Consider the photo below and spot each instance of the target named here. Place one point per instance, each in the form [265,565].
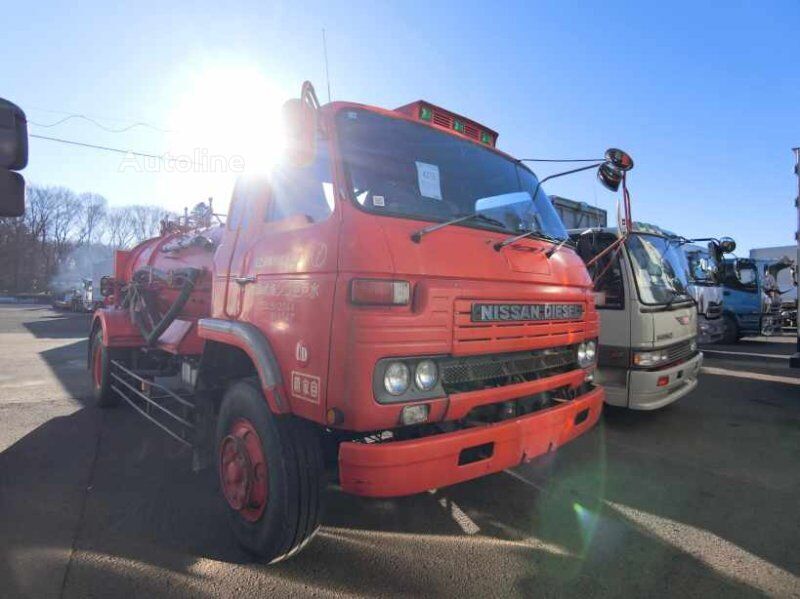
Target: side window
[248,194]
[607,273]
[739,276]
[303,191]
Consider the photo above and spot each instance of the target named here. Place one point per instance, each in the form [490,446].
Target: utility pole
[794,361]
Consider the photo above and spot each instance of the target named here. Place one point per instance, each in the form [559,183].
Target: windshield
[659,269]
[702,267]
[401,168]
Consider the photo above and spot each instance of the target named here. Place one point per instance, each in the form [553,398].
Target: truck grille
[497,370]
[680,351]
[471,337]
[714,310]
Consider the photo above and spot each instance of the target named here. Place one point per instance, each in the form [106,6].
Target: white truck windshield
[659,269]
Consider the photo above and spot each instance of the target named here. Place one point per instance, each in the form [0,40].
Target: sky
[704,95]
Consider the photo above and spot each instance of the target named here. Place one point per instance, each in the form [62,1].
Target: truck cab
[648,356]
[750,307]
[703,269]
[703,286]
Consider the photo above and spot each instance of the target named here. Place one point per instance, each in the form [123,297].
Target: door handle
[245,280]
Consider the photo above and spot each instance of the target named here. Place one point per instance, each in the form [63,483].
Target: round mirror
[609,176]
[622,160]
[727,244]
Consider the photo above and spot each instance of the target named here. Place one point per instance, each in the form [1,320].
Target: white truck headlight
[396,378]
[648,359]
[426,375]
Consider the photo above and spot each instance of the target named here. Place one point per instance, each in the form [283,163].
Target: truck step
[171,411]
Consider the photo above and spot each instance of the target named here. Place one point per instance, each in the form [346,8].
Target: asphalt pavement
[698,499]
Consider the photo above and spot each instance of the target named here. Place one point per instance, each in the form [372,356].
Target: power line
[100,125]
[94,119]
[115,150]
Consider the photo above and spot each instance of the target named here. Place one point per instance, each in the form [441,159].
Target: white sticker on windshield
[378,201]
[428,178]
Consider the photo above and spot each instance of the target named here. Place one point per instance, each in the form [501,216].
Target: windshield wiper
[417,236]
[533,233]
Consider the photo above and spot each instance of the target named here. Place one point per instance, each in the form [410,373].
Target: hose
[188,286]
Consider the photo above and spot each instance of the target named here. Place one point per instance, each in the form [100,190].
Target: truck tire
[100,370]
[270,474]
[731,334]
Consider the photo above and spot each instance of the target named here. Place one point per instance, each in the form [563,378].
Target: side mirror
[727,245]
[12,193]
[300,127]
[13,157]
[610,176]
[620,159]
[106,286]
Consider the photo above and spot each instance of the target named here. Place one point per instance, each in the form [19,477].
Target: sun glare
[224,121]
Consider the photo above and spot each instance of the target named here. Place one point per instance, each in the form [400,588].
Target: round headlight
[397,378]
[591,350]
[426,375]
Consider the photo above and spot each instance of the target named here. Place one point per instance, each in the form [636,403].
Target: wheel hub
[243,471]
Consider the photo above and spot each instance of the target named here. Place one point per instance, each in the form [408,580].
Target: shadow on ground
[697,499]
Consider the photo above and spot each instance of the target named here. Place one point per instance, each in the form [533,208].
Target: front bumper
[643,393]
[709,331]
[406,467]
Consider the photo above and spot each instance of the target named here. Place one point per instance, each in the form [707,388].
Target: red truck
[358,310]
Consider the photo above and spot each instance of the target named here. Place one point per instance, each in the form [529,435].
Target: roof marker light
[425,113]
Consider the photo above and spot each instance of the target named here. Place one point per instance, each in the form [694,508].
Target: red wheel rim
[243,470]
[97,365]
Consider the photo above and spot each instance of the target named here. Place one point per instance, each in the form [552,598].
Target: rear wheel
[100,370]
[270,473]
[731,334]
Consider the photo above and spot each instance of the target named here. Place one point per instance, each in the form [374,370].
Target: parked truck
[358,309]
[648,355]
[752,303]
[703,273]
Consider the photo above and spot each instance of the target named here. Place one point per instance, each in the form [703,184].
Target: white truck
[648,355]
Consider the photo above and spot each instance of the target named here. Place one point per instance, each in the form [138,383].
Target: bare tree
[65,216]
[147,221]
[93,212]
[120,227]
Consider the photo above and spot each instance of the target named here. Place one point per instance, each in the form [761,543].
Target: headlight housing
[426,375]
[587,353]
[397,378]
[648,359]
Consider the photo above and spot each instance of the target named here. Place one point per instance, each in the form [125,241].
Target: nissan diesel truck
[648,355]
[357,310]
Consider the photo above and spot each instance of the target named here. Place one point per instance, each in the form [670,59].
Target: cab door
[249,202]
[284,275]
[741,293]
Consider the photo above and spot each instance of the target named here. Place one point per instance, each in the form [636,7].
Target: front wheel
[270,473]
[731,334]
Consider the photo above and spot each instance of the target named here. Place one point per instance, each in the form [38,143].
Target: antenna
[327,73]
